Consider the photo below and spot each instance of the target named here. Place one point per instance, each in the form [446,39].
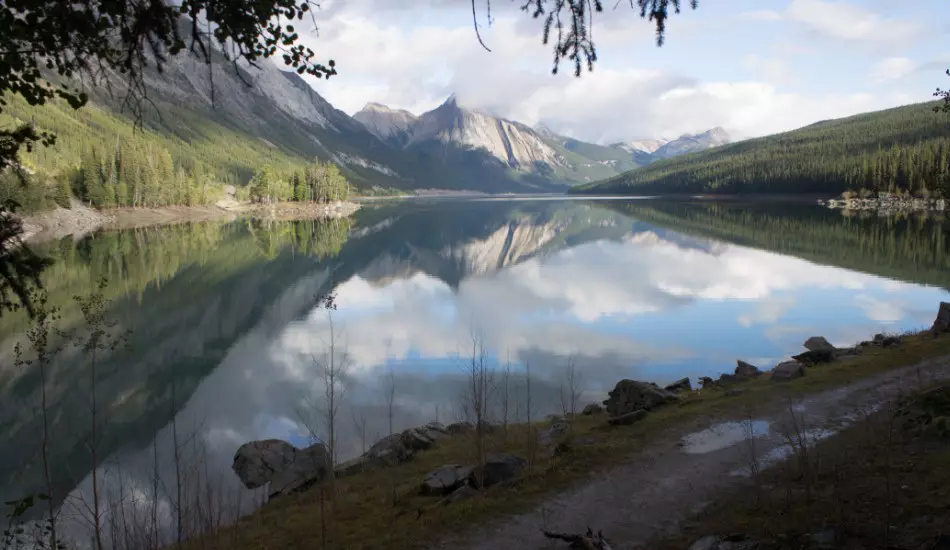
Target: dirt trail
[659,487]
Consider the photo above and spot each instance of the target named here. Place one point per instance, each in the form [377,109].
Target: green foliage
[73,39]
[906,149]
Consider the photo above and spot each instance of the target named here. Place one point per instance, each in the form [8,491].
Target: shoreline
[81,220]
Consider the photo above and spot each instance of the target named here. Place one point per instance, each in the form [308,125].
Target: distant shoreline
[81,220]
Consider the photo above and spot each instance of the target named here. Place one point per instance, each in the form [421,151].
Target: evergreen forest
[905,150]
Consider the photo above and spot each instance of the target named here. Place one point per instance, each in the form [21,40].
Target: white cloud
[847,21]
[413,59]
[892,68]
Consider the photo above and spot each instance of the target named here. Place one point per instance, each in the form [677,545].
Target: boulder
[682,384]
[788,371]
[890,341]
[547,436]
[745,371]
[815,357]
[726,379]
[592,409]
[627,419]
[502,467]
[256,462]
[818,343]
[707,382]
[389,450]
[310,466]
[630,395]
[942,322]
[437,427]
[446,479]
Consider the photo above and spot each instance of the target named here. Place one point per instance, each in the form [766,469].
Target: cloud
[846,21]
[414,61]
[892,68]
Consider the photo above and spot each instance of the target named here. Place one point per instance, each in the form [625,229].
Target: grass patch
[365,516]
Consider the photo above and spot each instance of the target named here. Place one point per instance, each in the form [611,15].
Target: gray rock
[256,462]
[627,419]
[630,395]
[891,341]
[682,384]
[309,466]
[592,409]
[815,357]
[788,370]
[464,492]
[707,382]
[818,343]
[389,450]
[942,322]
[446,479]
[437,427]
[746,371]
[502,467]
[549,435]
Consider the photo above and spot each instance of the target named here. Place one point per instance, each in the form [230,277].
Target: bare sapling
[390,416]
[528,411]
[38,335]
[359,425]
[480,387]
[748,428]
[796,437]
[570,391]
[505,397]
[98,341]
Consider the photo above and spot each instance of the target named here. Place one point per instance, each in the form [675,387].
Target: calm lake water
[226,338]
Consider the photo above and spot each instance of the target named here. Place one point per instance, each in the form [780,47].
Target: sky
[753,67]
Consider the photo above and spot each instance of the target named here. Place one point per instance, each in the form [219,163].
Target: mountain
[646,151]
[385,123]
[690,143]
[536,158]
[642,145]
[904,149]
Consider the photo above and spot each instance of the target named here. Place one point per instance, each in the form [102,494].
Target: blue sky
[753,67]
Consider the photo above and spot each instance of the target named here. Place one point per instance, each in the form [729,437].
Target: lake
[226,340]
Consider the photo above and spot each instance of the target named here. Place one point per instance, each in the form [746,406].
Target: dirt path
[658,488]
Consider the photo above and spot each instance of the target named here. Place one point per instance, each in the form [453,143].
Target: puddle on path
[723,435]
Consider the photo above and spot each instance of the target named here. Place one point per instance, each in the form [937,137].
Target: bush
[849,194]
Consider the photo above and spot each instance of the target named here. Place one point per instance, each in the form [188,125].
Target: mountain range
[537,154]
[236,118]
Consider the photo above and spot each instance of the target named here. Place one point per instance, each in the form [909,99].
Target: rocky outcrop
[788,370]
[286,468]
[942,322]
[256,462]
[746,371]
[630,395]
[818,343]
[680,385]
[887,204]
[447,479]
[501,468]
[308,468]
[816,357]
[592,409]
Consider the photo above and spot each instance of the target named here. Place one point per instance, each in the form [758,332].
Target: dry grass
[364,517]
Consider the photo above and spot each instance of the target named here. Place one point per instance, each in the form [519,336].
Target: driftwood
[588,541]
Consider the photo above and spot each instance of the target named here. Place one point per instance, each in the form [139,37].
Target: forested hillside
[903,150]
